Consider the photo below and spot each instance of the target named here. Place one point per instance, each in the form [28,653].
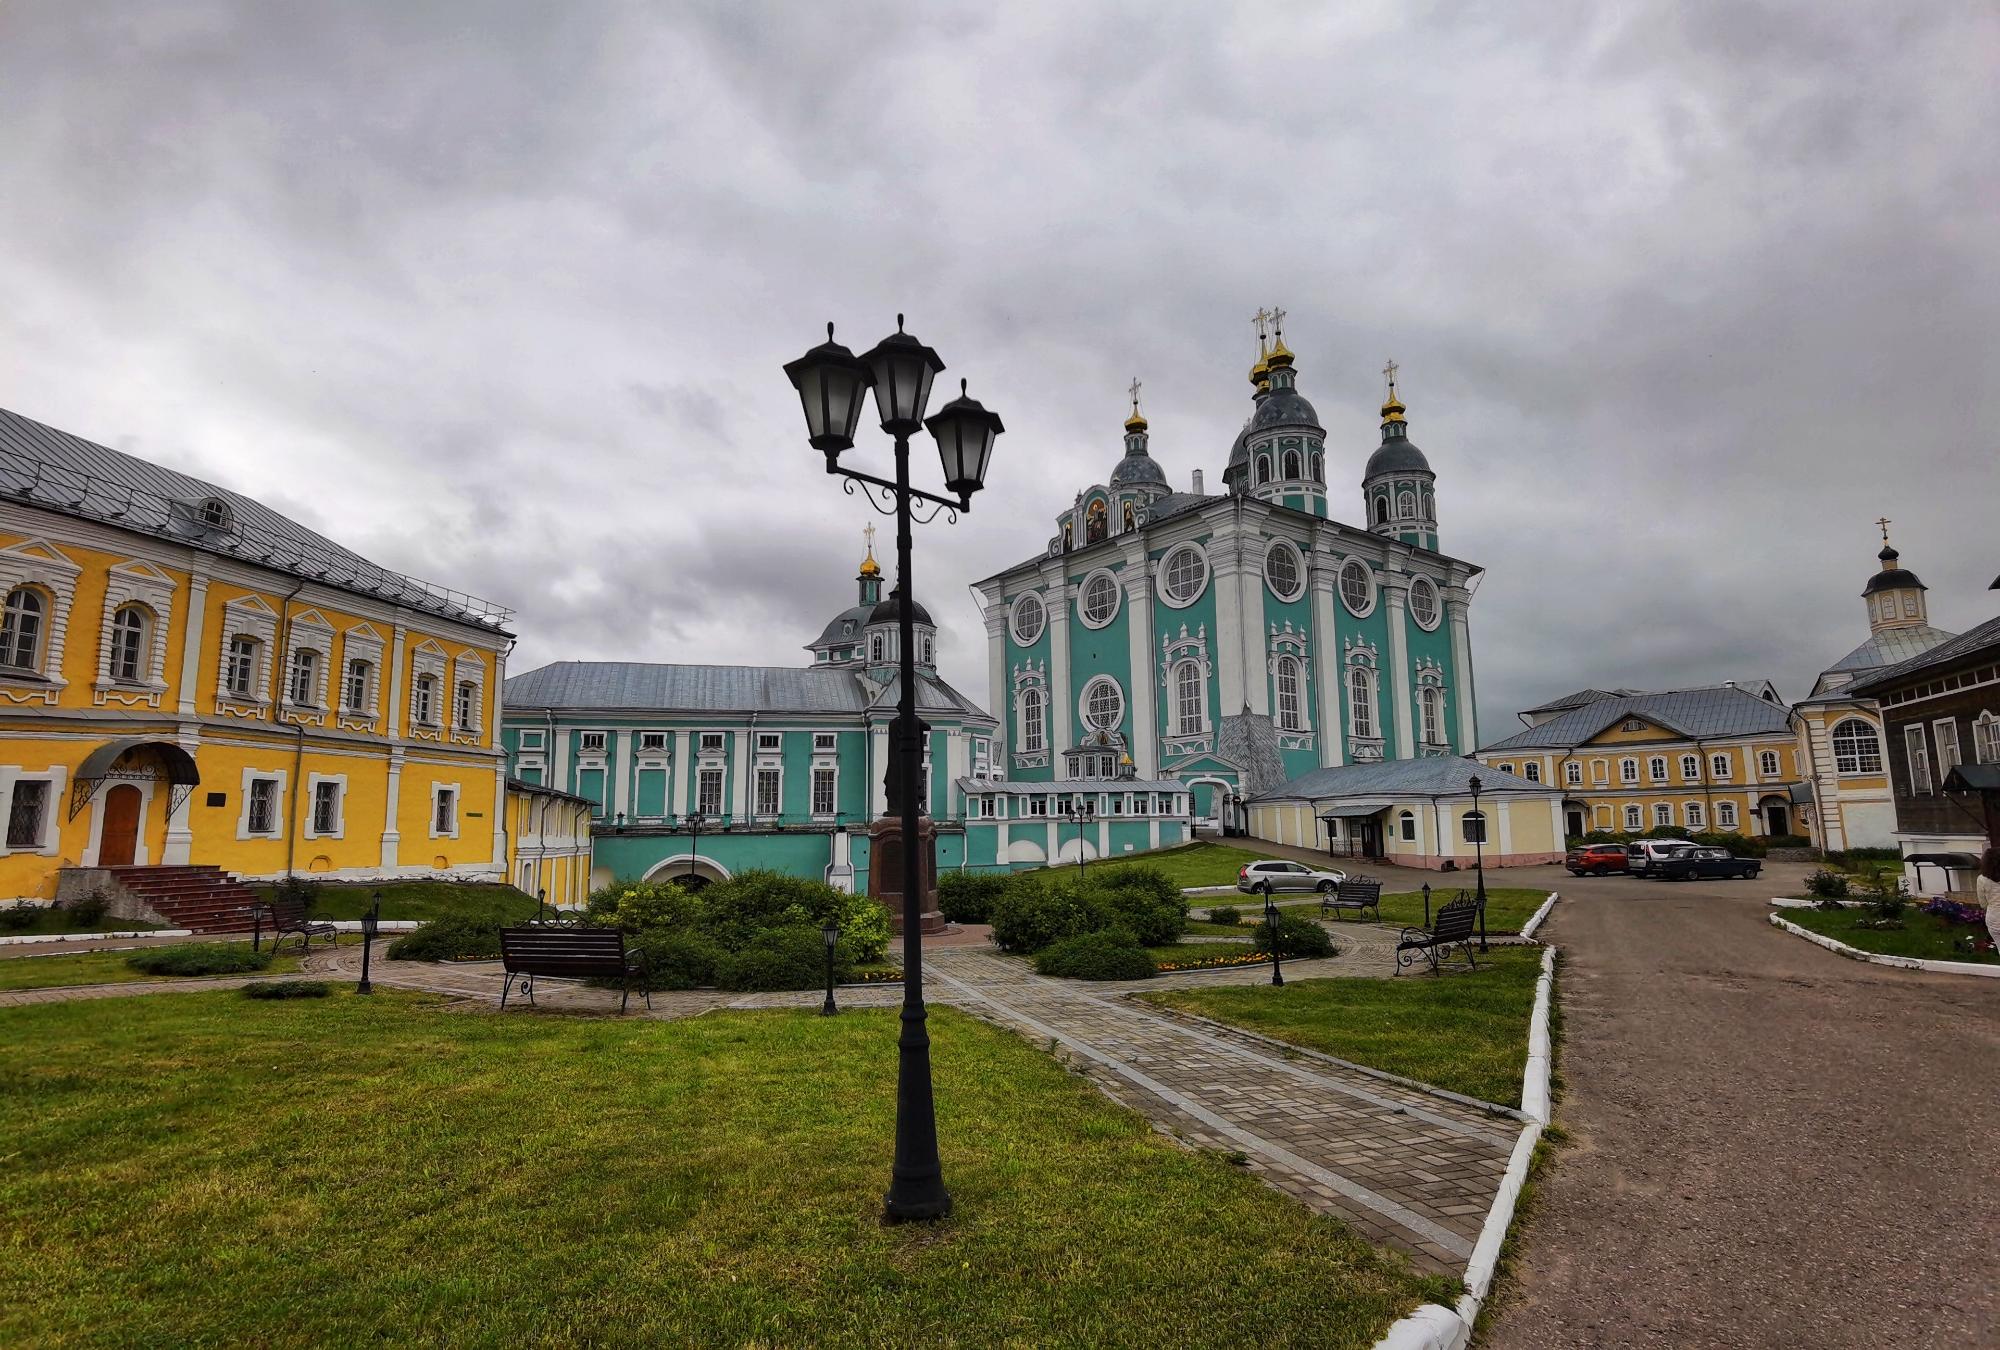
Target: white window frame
[1917,752]
[1635,817]
[1532,771]
[277,778]
[465,709]
[469,668]
[1572,773]
[1719,768]
[1466,823]
[1374,597]
[50,842]
[826,742]
[774,773]
[1694,815]
[1725,815]
[439,791]
[770,742]
[830,775]
[533,738]
[1103,576]
[1430,715]
[711,742]
[1166,568]
[1289,703]
[1950,754]
[1425,586]
[1367,696]
[1033,727]
[1090,687]
[1663,814]
[1628,771]
[39,564]
[314,782]
[1986,738]
[364,706]
[1182,725]
[592,742]
[655,742]
[1600,772]
[424,700]
[1028,602]
[1867,744]
[1656,768]
[702,777]
[1690,768]
[141,584]
[1299,577]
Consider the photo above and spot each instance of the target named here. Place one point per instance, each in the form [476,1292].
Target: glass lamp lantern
[965,432]
[832,382]
[902,369]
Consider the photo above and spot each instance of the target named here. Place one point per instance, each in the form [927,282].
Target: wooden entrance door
[119,840]
[1777,819]
[1371,838]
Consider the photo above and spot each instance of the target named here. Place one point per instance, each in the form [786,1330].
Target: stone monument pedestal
[885,871]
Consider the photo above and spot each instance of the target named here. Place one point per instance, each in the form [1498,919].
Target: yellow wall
[1744,783]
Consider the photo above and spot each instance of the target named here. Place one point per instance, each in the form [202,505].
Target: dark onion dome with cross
[1398,488]
[842,640]
[1894,594]
[1278,453]
[1893,576]
[1138,467]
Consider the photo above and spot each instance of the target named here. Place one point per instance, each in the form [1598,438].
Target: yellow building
[549,834]
[1720,758]
[188,677]
[1840,735]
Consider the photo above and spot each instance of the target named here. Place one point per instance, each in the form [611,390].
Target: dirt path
[1772,1146]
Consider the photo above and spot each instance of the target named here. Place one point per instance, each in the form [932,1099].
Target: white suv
[1261,877]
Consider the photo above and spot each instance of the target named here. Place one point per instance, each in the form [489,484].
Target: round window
[1099,601]
[1103,704]
[1184,574]
[1424,603]
[1284,571]
[1357,586]
[1029,619]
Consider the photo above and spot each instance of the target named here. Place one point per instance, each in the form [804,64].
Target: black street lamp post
[832,382]
[1082,812]
[1479,859]
[371,921]
[830,933]
[1271,927]
[694,824]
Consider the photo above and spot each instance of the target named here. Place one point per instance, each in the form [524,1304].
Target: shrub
[1854,857]
[969,897]
[1739,844]
[1607,837]
[1143,899]
[780,958]
[455,937]
[1031,914]
[638,906]
[1225,914]
[198,958]
[1886,896]
[677,960]
[287,989]
[90,910]
[1827,884]
[1787,841]
[1297,936]
[297,890]
[1106,954]
[1665,832]
[19,918]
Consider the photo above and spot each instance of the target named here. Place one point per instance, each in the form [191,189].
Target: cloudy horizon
[1684,297]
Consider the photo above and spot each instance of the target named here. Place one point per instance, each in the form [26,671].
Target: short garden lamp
[1479,857]
[371,923]
[1271,927]
[829,933]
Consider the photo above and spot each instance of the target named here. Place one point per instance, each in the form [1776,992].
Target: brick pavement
[1405,1167]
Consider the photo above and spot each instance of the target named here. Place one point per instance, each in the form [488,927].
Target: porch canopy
[1352,810]
[134,758]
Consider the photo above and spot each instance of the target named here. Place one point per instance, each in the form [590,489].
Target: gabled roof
[641,686]
[60,472]
[1703,714]
[1891,646]
[1431,776]
[1578,699]
[1969,643]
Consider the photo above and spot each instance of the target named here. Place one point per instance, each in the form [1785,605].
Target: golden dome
[869,567]
[1260,373]
[1136,422]
[1280,356]
[1392,408]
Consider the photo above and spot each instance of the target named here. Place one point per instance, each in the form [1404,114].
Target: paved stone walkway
[1405,1167]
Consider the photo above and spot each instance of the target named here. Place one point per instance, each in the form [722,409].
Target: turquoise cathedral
[1232,643]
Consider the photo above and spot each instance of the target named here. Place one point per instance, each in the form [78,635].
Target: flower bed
[1215,962]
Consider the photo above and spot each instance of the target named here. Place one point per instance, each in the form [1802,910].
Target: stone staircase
[203,898]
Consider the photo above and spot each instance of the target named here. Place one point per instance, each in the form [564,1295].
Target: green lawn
[202,1168]
[421,900]
[1202,864]
[49,919]
[1922,935]
[1194,951]
[1464,1031]
[1507,907]
[49,972]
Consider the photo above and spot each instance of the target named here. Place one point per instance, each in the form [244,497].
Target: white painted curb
[1881,959]
[385,926]
[13,939]
[1434,1326]
[1528,928]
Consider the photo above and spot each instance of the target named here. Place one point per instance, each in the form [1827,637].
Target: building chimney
[1729,684]
[1197,482]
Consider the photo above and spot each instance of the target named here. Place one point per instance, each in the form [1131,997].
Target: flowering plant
[1216,962]
[1955,911]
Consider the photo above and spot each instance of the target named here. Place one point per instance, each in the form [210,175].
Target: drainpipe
[500,802]
[1437,831]
[299,749]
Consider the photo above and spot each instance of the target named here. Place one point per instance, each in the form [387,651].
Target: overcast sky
[1684,295]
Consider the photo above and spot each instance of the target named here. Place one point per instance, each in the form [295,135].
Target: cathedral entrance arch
[1210,797]
[689,871]
[1777,815]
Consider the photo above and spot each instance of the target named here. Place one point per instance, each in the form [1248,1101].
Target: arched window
[1408,822]
[1767,763]
[1289,718]
[1188,700]
[1031,721]
[1855,747]
[1096,523]
[878,647]
[1473,826]
[1319,467]
[21,631]
[1663,813]
[1986,738]
[1103,704]
[1573,773]
[1382,510]
[925,652]
[1066,536]
[303,682]
[1361,702]
[1293,467]
[423,701]
[1430,700]
[1690,767]
[1131,520]
[1532,771]
[354,688]
[1430,506]
[466,714]
[1406,505]
[128,644]
[1635,819]
[243,653]
[1628,770]
[1263,468]
[1657,767]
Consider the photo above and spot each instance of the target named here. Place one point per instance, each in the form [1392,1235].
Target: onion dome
[1893,576]
[1397,453]
[869,567]
[1138,468]
[1280,357]
[886,611]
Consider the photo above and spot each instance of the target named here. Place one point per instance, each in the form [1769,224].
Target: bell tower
[1894,596]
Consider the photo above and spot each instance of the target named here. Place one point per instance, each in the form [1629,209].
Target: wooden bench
[1452,927]
[287,917]
[1359,895]
[571,953]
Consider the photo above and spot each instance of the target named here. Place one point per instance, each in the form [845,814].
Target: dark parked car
[1597,859]
[1689,863]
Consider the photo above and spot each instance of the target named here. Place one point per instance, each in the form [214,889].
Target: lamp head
[901,369]
[831,381]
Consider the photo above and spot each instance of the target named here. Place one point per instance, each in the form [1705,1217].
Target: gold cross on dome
[1390,371]
[1884,522]
[1278,321]
[868,530]
[1261,318]
[1135,393]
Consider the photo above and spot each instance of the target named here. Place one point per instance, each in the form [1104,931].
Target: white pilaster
[1144,724]
[878,759]
[999,699]
[392,838]
[1250,604]
[739,788]
[191,644]
[1230,677]
[1457,604]
[680,798]
[1394,587]
[957,764]
[398,696]
[1326,660]
[621,774]
[1057,597]
[1506,828]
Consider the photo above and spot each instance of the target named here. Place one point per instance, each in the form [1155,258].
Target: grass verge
[1467,1032]
[49,919]
[421,900]
[54,972]
[1922,935]
[1507,907]
[1200,864]
[710,1181]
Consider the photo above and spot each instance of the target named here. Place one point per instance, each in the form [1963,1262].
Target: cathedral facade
[1237,641]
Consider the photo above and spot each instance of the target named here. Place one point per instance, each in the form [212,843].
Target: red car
[1597,859]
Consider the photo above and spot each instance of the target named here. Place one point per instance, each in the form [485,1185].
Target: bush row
[1037,909]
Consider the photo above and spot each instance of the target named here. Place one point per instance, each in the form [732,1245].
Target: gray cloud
[1684,295]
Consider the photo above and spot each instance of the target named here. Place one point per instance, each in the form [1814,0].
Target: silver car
[1258,877]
